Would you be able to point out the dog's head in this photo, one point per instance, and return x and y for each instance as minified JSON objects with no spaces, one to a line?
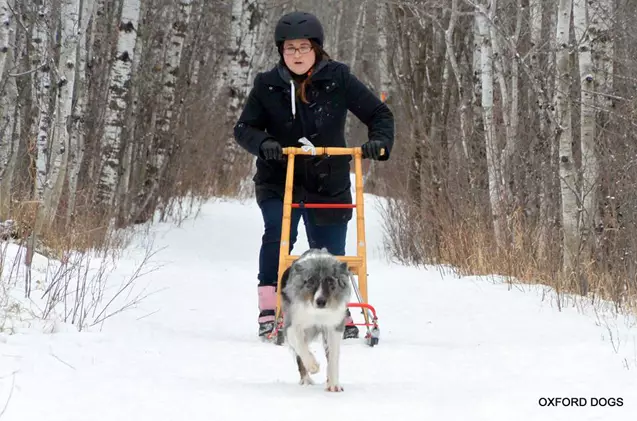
{"x":319,"y":279}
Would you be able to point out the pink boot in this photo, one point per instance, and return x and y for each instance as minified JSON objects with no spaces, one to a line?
{"x":267,"y":309}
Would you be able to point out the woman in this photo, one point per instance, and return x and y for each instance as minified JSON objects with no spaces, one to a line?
{"x":306,"y":94}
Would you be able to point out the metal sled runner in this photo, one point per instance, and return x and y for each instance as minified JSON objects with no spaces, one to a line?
{"x":357,"y":264}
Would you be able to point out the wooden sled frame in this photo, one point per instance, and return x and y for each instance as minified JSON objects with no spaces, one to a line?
{"x":357,"y":264}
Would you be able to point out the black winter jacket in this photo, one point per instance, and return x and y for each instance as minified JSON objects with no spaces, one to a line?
{"x":268,"y":114}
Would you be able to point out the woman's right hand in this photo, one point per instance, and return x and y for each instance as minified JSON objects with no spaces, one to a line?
{"x":271,"y":150}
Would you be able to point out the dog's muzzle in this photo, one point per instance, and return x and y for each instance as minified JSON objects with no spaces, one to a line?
{"x":320,"y":301}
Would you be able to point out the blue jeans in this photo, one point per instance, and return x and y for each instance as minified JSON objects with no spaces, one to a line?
{"x":331,"y":237}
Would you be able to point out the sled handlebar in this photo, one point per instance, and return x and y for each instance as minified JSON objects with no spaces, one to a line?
{"x":323,"y":150}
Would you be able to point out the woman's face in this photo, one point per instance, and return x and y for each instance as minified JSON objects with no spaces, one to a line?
{"x":298,"y":55}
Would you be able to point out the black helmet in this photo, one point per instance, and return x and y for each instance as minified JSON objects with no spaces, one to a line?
{"x":297,"y":25}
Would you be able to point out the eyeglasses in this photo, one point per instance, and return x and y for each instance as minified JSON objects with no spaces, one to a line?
{"x":289,"y":51}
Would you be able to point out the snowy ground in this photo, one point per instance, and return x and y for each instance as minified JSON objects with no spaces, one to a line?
{"x":462,"y":348}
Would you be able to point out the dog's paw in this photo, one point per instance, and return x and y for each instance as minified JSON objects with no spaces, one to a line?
{"x":306,"y":381}
{"x":334,"y":388}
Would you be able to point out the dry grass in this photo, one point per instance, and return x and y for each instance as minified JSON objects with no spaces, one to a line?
{"x":468,"y":245}
{"x":74,"y":286}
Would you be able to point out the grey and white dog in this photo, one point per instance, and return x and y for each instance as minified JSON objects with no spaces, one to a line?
{"x":315,"y":291}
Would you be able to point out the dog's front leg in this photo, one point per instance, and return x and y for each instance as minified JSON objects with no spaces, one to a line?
{"x":305,"y":377}
{"x":296,"y":340}
{"x":332,"y":352}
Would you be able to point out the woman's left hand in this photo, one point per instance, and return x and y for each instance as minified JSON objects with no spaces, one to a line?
{"x":372,"y":149}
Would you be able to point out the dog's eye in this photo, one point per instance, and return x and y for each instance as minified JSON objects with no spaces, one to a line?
{"x":311,"y":281}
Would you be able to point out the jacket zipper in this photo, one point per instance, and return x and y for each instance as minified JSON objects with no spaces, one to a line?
{"x":293,"y":99}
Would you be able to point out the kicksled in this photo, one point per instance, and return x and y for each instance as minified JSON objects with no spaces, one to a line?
{"x":357,"y":264}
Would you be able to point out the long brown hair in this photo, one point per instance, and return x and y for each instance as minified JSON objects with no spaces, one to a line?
{"x":320,"y":55}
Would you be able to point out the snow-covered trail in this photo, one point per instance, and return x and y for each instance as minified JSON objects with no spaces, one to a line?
{"x":450,"y":348}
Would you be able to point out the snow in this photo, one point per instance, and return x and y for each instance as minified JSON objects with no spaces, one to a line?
{"x":451,"y":347}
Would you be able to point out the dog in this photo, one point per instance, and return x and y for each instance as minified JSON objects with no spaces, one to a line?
{"x":315,"y":291}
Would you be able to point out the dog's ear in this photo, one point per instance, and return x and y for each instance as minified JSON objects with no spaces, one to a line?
{"x":284,"y":277}
{"x":342,"y":281}
{"x":344,"y":274}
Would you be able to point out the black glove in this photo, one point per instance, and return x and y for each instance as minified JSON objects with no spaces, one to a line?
{"x":371,"y":149}
{"x":271,"y":150}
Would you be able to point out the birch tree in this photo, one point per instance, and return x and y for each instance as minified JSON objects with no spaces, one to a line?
{"x":564,"y":134}
{"x":77,"y":150}
{"x":66,"y":70}
{"x":359,"y":32}
{"x":589,"y":166}
{"x":164,"y":138}
{"x":42,"y":90}
{"x":119,"y":88}
{"x":246,"y":20}
{"x":537,"y":115}
{"x":509,"y":92}
{"x":484,"y":16}
{"x":383,"y":22}
{"x":452,"y":62}
{"x":8,"y":102}
{"x":7,"y":30}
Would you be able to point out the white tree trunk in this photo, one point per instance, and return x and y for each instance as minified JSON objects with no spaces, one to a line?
{"x":385,"y":88}
{"x":88,"y":9}
{"x":478,"y":41}
{"x":170,"y":108}
{"x":587,"y":118}
{"x":244,"y":49}
{"x":204,"y":47}
{"x":514,"y":105}
{"x":567,"y":170}
{"x":125,"y":199}
{"x":118,"y":92}
{"x":382,"y":19}
{"x":552,"y":71}
{"x":175,"y":48}
{"x":69,"y":11}
{"x":493,"y":162}
{"x":12,"y":143}
{"x":8,"y":103}
{"x":149,"y":170}
{"x":7,"y":27}
{"x":359,"y":33}
{"x":42,"y":93}
{"x":451,"y":61}
{"x":263,"y":61}
{"x":509,"y":97}
{"x":9,"y":109}
{"x":505,"y":107}
{"x":335,"y":47}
